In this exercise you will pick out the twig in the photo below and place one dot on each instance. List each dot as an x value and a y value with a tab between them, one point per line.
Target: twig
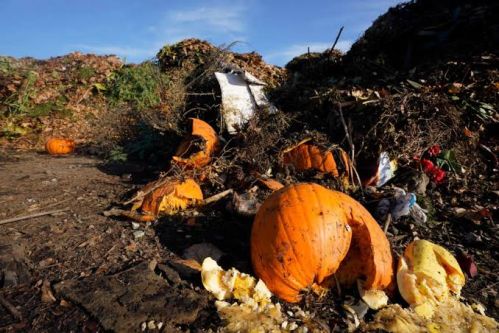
217	197
336	40
352	147
57	203
11	308
26	217
131	215
387	222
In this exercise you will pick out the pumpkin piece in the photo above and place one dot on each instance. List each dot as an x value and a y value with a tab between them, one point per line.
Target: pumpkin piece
302	233
427	274
170	198
452	317
193	154
59	146
233	284
369	257
306	156
375	299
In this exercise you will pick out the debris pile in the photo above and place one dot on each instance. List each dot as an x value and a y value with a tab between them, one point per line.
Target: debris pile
56	97
317	178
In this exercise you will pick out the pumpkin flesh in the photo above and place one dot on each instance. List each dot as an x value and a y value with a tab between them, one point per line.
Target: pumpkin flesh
171	197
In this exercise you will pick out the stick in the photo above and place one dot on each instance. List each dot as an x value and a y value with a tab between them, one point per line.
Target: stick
11	308
54	204
217	197
26	217
352	147
387	222
336	40
131	215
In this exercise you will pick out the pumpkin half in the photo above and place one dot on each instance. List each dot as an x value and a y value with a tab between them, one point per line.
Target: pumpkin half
196	150
306	156
302	234
170	198
59	146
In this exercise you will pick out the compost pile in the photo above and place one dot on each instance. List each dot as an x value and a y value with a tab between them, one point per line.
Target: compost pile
58	96
405	123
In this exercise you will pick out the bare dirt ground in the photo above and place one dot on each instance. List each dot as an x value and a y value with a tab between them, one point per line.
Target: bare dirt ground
54	266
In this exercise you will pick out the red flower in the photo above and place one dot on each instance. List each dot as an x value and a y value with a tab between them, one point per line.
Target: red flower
428	165
434	150
438	175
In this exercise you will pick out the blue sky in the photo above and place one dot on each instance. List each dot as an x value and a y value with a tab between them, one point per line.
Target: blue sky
136	29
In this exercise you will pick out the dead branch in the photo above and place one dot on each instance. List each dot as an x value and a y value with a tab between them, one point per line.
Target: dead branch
336	41
217	197
352	146
26	217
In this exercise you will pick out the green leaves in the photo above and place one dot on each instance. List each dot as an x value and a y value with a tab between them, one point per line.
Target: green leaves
448	159
139	85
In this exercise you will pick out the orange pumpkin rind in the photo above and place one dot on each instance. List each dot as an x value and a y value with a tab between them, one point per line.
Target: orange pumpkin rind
303	232
170	198
186	154
59	146
307	156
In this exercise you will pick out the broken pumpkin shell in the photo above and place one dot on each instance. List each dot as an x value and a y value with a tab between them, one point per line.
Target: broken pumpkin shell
306	156
192	154
171	197
59	146
426	275
302	233
233	284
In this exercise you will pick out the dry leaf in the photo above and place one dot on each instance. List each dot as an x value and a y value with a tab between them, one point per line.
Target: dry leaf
47	295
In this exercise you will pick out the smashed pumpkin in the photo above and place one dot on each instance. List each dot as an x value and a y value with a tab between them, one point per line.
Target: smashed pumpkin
306	156
170	198
302	234
426	275
196	150
59	146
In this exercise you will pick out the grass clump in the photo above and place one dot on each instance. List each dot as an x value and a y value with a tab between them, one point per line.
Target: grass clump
138	85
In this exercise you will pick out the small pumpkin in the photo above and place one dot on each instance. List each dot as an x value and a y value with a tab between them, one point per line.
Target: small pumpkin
302	233
195	155
170	198
305	156
59	146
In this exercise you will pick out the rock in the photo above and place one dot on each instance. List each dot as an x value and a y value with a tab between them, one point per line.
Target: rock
138	234
123	301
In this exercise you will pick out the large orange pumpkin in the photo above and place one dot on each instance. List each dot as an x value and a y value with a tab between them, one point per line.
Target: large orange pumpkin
302	234
189	154
59	146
